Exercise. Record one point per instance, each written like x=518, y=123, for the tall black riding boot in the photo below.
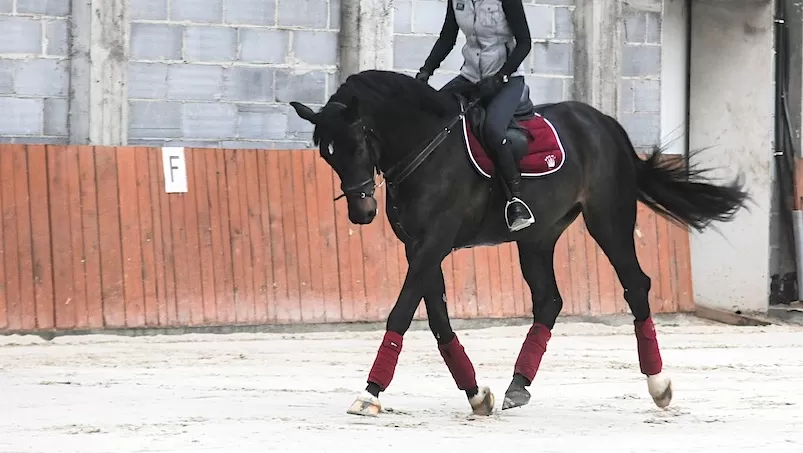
x=517, y=214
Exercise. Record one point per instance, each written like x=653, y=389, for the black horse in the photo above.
x=381, y=122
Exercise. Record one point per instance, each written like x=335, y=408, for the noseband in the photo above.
x=361, y=190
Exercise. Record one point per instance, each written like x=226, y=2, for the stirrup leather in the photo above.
x=529, y=221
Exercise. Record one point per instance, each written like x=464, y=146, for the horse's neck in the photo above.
x=405, y=139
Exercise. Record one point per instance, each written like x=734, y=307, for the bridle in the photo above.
x=365, y=188
x=402, y=169
x=361, y=190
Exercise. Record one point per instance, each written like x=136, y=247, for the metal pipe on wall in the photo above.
x=797, y=222
x=687, y=125
x=787, y=280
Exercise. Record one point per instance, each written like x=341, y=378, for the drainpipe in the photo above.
x=785, y=289
x=797, y=203
x=797, y=219
x=687, y=123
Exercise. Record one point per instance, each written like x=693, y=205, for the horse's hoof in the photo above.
x=660, y=388
x=515, y=396
x=483, y=402
x=366, y=405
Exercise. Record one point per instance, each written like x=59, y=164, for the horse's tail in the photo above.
x=684, y=194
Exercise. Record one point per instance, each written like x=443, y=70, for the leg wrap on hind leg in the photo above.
x=386, y=359
x=649, y=356
x=454, y=354
x=532, y=351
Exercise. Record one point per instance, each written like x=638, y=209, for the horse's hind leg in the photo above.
x=539, y=272
x=611, y=223
x=454, y=354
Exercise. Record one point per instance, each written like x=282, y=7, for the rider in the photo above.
x=497, y=42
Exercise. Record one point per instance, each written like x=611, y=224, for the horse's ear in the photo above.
x=305, y=112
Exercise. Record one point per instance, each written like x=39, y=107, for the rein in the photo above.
x=396, y=174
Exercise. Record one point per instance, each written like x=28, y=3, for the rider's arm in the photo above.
x=445, y=42
x=517, y=20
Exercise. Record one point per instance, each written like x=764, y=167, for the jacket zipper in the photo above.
x=477, y=40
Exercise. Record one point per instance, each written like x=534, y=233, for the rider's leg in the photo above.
x=457, y=85
x=500, y=112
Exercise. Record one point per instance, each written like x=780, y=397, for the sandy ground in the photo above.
x=736, y=390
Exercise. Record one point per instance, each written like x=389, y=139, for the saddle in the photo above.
x=517, y=135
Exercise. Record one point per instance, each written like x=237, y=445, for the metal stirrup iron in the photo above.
x=529, y=221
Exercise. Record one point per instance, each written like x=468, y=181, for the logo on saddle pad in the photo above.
x=550, y=160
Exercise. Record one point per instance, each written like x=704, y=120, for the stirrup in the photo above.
x=520, y=224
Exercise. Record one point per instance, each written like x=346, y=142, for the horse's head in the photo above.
x=340, y=136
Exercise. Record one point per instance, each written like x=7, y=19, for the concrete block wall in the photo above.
x=640, y=83
x=34, y=71
x=548, y=70
x=221, y=72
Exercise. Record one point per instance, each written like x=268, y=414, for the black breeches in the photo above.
x=500, y=111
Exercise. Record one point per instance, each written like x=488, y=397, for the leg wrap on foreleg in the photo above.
x=532, y=351
x=386, y=359
x=454, y=354
x=649, y=356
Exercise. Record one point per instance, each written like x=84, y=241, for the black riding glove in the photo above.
x=490, y=86
x=423, y=75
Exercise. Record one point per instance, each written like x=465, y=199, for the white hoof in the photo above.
x=483, y=402
x=366, y=405
x=660, y=388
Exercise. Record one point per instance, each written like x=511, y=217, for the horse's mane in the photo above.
x=391, y=94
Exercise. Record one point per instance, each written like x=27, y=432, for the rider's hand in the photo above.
x=423, y=75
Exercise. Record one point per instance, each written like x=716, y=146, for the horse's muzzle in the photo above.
x=362, y=211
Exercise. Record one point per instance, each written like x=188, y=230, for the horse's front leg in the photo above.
x=422, y=261
x=539, y=272
x=454, y=354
